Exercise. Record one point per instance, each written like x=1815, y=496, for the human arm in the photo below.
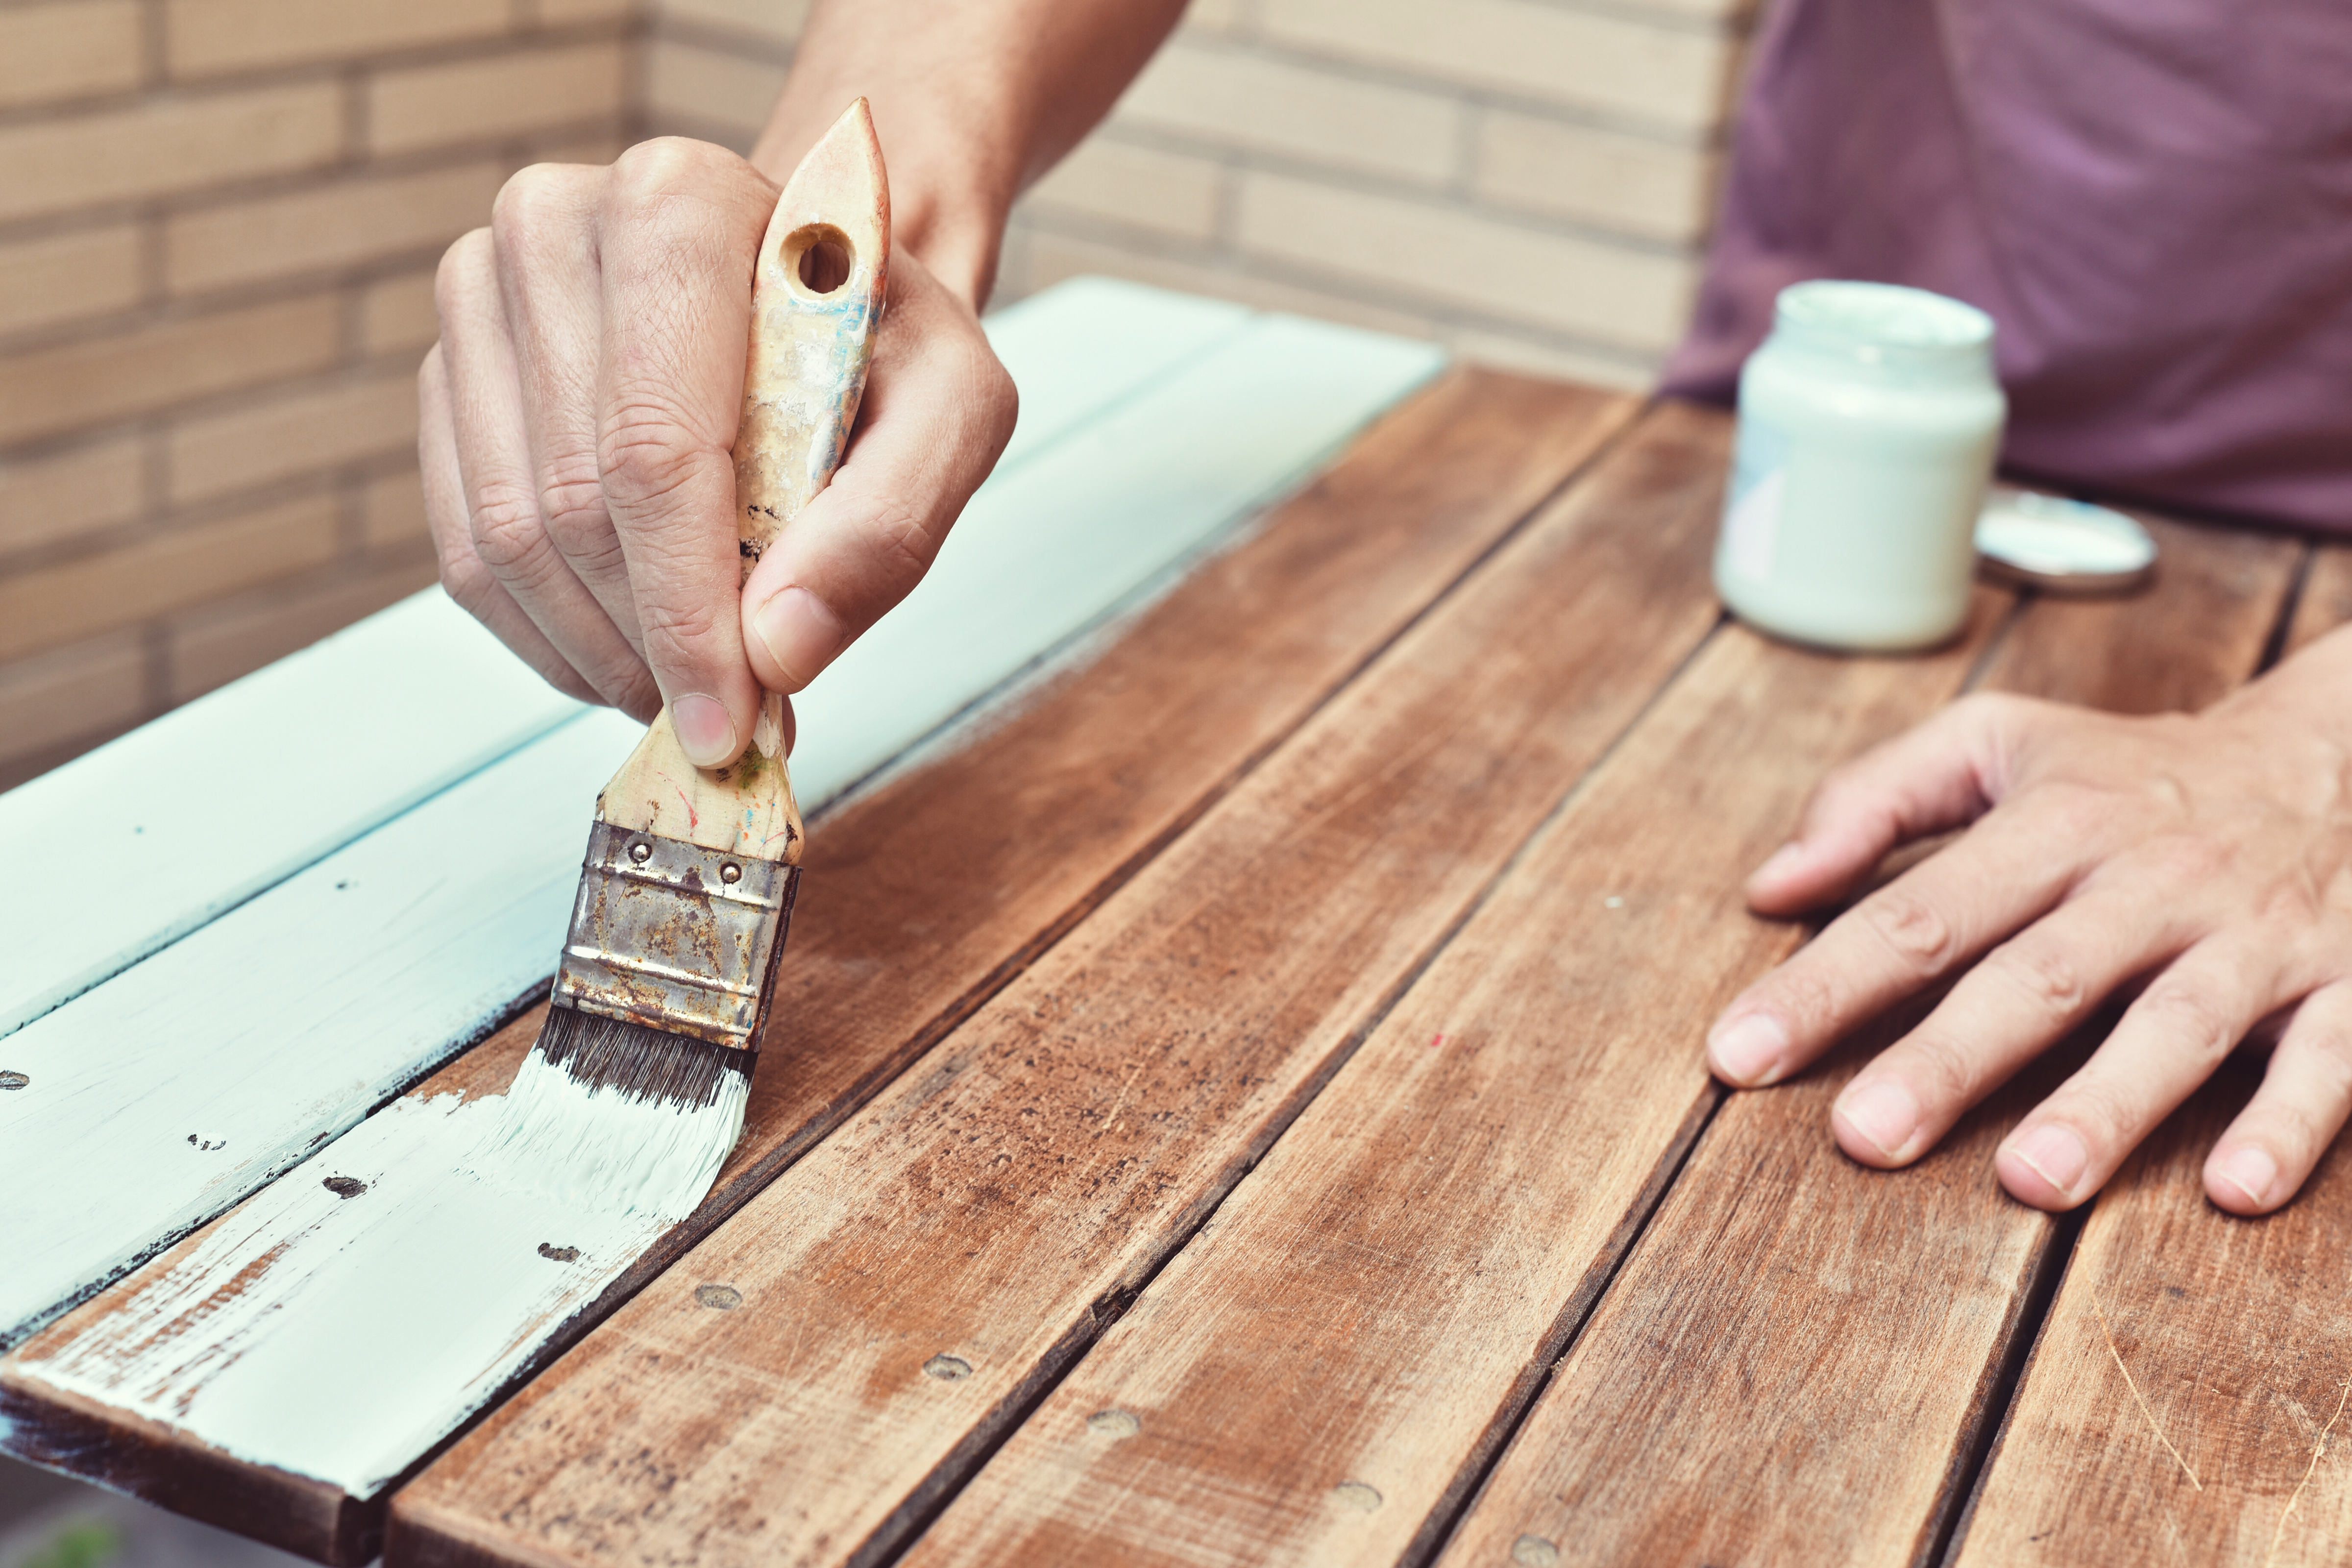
x=2206, y=860
x=579, y=409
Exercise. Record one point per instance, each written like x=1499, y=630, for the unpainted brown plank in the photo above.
x=1801, y=1358
x=2327, y=602
x=924, y=896
x=1316, y=1377
x=2186, y=1398
x=913, y=1283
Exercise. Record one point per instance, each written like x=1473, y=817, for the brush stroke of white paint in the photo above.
x=340, y=1338
x=124, y=850
x=182, y=1084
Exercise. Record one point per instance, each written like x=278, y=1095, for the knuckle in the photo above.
x=1940, y=1067
x=2044, y=973
x=645, y=454
x=2186, y=1014
x=505, y=524
x=649, y=171
x=1910, y=928
x=465, y=269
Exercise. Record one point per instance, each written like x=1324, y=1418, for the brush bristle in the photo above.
x=614, y=1115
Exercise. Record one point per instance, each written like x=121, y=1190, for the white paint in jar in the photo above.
x=1869, y=420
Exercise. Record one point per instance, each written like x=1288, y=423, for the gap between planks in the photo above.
x=938, y=871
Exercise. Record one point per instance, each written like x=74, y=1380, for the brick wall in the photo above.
x=1527, y=181
x=218, y=220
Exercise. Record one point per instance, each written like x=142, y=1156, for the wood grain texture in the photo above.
x=1328, y=1366
x=2327, y=601
x=2185, y=1339
x=907, y=1287
x=1800, y=1360
x=932, y=889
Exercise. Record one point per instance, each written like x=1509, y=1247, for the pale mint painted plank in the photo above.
x=276, y=769
x=132, y=846
x=1048, y=548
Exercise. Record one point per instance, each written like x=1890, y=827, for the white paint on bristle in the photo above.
x=340, y=1337
x=602, y=1149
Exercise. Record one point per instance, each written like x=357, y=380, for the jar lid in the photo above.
x=2067, y=546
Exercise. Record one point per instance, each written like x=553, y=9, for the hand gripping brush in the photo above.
x=634, y=1095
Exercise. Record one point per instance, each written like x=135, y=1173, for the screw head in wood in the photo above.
x=730, y=873
x=344, y=1187
x=948, y=1368
x=1114, y=1424
x=12, y=1080
x=641, y=851
x=1534, y=1552
x=555, y=1254
x=719, y=1298
x=1357, y=1495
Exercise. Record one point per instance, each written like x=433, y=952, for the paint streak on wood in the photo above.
x=2236, y=1334
x=926, y=894
x=908, y=1283
x=1374, y=1305
x=1799, y=1360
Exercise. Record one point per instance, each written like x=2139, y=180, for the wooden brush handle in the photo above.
x=812, y=340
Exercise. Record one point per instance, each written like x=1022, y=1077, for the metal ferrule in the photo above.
x=674, y=936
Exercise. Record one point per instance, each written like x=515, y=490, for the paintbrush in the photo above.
x=634, y=1093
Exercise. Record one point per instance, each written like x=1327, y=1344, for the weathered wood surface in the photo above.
x=923, y=897
x=2327, y=601
x=2186, y=1344
x=1802, y=1358
x=2234, y=1334
x=288, y=1017
x=1324, y=1372
x=909, y=1286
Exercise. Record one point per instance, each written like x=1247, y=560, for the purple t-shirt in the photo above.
x=2153, y=198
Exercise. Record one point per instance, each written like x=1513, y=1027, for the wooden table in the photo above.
x=1243, y=1102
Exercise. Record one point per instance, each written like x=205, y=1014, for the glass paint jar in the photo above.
x=1869, y=420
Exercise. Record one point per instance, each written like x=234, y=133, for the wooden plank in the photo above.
x=401, y=706
x=1800, y=1360
x=911, y=1284
x=235, y=1030
x=1323, y=1370
x=2232, y=1333
x=143, y=840
x=2327, y=601
x=2238, y=1351
x=923, y=896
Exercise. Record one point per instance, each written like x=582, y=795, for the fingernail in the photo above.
x=704, y=730
x=2055, y=1154
x=1782, y=860
x=1884, y=1112
x=799, y=634
x=2251, y=1171
x=1748, y=1050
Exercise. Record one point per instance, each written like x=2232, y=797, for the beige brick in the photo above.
x=56, y=390
x=1212, y=16
x=44, y=500
x=1142, y=186
x=1237, y=99
x=89, y=689
x=340, y=225
x=1622, y=297
x=1051, y=257
x=1528, y=357
x=206, y=36
x=294, y=432
x=123, y=586
x=1673, y=75
x=1630, y=182
x=565, y=13
x=60, y=51
x=477, y=101
x=219, y=646
x=391, y=511
x=777, y=21
x=687, y=84
x=68, y=277
x=173, y=146
x=396, y=316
